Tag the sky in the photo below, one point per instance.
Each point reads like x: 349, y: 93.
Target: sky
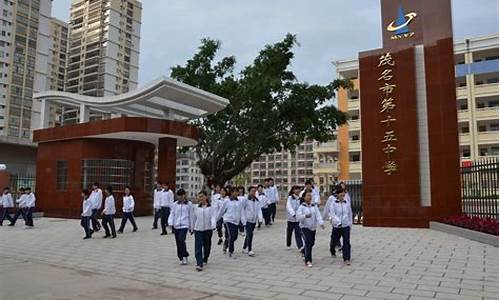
x: 327, y: 30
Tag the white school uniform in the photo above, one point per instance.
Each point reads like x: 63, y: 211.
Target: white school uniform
x: 204, y: 218
x: 87, y: 207
x: 231, y: 211
x: 312, y: 222
x: 181, y: 215
x: 216, y: 202
x: 263, y: 199
x: 292, y: 205
x: 96, y: 198
x: 272, y: 194
x: 340, y: 213
x: 157, y: 198
x: 109, y: 206
x: 30, y: 200
x: 21, y: 201
x: 128, y: 204
x: 167, y: 198
x: 7, y: 200
x: 316, y: 199
x: 252, y: 211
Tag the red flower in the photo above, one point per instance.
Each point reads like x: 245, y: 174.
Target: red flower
x: 486, y: 225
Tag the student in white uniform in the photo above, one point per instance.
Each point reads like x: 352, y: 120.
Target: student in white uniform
x: 340, y: 214
x: 264, y: 204
x: 231, y: 214
x: 108, y: 214
x: 241, y: 197
x: 7, y: 203
x: 166, y: 202
x: 204, y: 215
x: 181, y: 220
x: 252, y: 213
x: 96, y: 200
x: 217, y: 200
x: 156, y: 204
x: 128, y: 210
x: 292, y: 205
x: 316, y: 199
x: 86, y: 214
x: 273, y: 195
x: 30, y: 207
x: 21, y: 207
x: 309, y: 217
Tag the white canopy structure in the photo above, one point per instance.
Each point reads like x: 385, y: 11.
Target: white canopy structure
x: 163, y: 98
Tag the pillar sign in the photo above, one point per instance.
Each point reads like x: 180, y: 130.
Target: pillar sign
x: 408, y: 107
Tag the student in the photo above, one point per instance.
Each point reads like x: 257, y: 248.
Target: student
x: 252, y: 213
x: 309, y: 217
x: 241, y: 198
x: 30, y: 207
x: 264, y: 204
x: 166, y: 202
x: 217, y: 200
x: 316, y: 199
x: 156, y: 204
x: 108, y: 213
x: 181, y: 220
x: 203, y: 225
x: 86, y: 214
x: 340, y: 214
x: 96, y: 200
x: 273, y: 195
x: 21, y: 207
x: 128, y: 210
x: 7, y: 204
x: 231, y: 214
x: 292, y: 205
x: 325, y: 216
x: 347, y: 196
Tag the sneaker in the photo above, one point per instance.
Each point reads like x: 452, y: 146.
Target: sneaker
x: 251, y: 253
x: 199, y: 269
x: 163, y: 233
x: 244, y: 251
x: 333, y: 255
x: 135, y: 229
x: 219, y: 242
x: 86, y: 237
x: 288, y: 248
x: 309, y: 264
x: 154, y: 228
x: 11, y: 224
x: 300, y: 250
x: 181, y: 262
x: 106, y: 236
x: 185, y: 260
x: 347, y: 262
x: 242, y: 233
x: 114, y: 236
x: 230, y: 255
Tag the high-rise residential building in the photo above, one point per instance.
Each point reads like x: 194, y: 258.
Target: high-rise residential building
x: 58, y: 54
x: 103, y: 47
x: 188, y: 173
x: 476, y: 74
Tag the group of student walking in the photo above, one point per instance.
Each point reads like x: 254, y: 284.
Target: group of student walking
x: 25, y: 206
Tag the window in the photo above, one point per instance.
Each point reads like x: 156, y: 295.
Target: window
x: 148, y: 177
x: 115, y: 172
x: 61, y: 175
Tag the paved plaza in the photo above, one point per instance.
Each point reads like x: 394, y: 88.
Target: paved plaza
x: 387, y: 263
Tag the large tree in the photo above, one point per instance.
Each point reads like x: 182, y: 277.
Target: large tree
x: 269, y: 108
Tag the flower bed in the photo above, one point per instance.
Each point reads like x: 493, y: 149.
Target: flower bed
x: 486, y: 225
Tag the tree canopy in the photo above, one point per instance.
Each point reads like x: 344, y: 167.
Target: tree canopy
x: 269, y: 110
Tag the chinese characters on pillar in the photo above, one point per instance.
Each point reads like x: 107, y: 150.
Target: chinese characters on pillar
x: 387, y: 107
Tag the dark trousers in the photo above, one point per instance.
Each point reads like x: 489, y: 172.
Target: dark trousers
x: 20, y: 211
x: 29, y: 216
x: 345, y: 233
x: 272, y: 211
x: 249, y: 227
x: 266, y: 215
x: 95, y: 223
x: 202, y: 246
x: 309, y: 239
x: 5, y: 214
x: 219, y: 228
x: 157, y: 215
x: 109, y: 220
x: 127, y: 216
x: 85, y: 223
x: 180, y: 241
x: 293, y: 227
x: 231, y: 235
x: 241, y: 227
x: 165, y: 212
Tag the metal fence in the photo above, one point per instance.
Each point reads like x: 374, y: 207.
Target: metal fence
x: 19, y: 181
x: 354, y: 187
x: 480, y: 188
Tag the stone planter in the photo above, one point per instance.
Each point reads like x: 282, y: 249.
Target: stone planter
x: 473, y: 235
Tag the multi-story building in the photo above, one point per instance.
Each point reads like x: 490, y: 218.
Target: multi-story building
x: 188, y: 173
x: 104, y: 45
x: 476, y: 75
x: 58, y: 54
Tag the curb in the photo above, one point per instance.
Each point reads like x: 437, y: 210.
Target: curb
x: 472, y: 235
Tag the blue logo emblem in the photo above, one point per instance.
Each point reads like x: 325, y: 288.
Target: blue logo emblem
x: 400, y: 26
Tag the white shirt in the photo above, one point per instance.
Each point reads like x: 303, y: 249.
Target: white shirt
x: 30, y: 200
x: 340, y: 213
x: 204, y: 218
x: 96, y: 198
x: 316, y: 199
x: 86, y: 208
x: 264, y: 201
x: 157, y: 198
x: 180, y: 215
x: 21, y: 201
x: 109, y: 205
x: 7, y: 200
x: 231, y: 211
x: 216, y: 202
x: 312, y: 222
x: 252, y: 211
x: 167, y: 198
x: 292, y: 205
x: 128, y: 204
x: 272, y: 194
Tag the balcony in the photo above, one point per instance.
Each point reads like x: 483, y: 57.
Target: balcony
x: 354, y: 125
x: 462, y: 92
x: 463, y: 115
x: 487, y: 137
x: 487, y: 113
x: 486, y: 89
x: 353, y: 104
x: 325, y: 167
x: 354, y: 145
x: 327, y: 147
x: 355, y: 167
x: 464, y: 138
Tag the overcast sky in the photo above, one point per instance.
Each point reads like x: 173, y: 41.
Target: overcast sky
x: 327, y: 30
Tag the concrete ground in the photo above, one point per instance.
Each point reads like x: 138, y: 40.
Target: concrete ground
x: 51, y: 261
